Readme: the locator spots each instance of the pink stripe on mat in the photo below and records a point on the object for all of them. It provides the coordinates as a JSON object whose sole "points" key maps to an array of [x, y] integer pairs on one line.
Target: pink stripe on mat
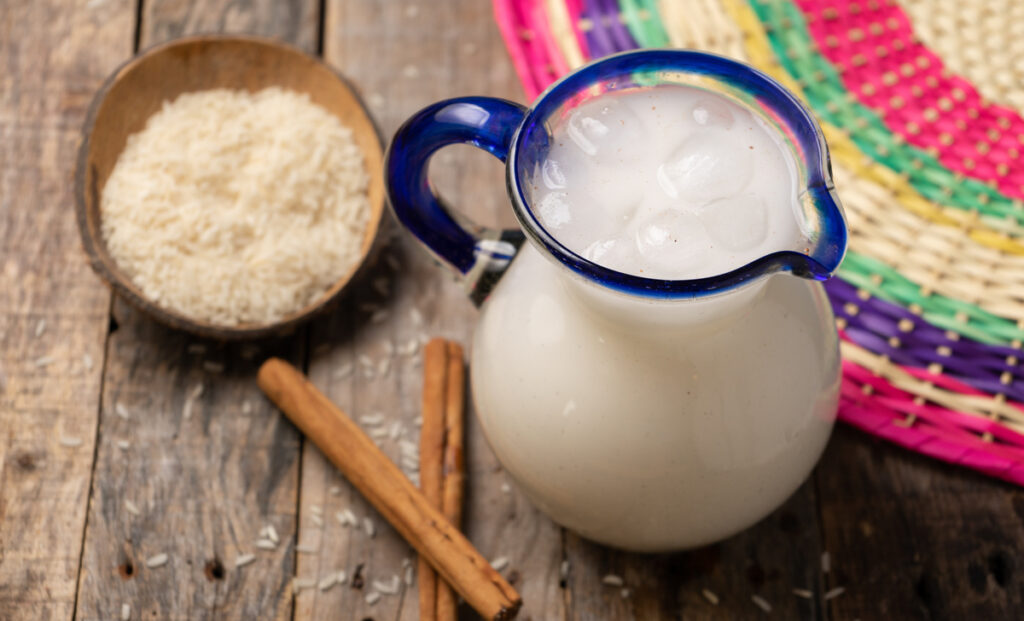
{"points": [[528, 55], [872, 44], [935, 432]]}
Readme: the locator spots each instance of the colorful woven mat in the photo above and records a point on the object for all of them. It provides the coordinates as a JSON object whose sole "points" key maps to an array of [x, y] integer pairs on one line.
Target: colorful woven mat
{"points": [[930, 299]]}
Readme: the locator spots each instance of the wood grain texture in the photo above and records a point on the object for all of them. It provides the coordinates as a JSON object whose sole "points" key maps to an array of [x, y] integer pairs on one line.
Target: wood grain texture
{"points": [[403, 56], [769, 560], [53, 310], [293, 21], [206, 468], [912, 538]]}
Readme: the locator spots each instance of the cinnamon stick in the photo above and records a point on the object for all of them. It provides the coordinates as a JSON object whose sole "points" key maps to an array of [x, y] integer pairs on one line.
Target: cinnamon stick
{"points": [[435, 382], [454, 475], [387, 489]]}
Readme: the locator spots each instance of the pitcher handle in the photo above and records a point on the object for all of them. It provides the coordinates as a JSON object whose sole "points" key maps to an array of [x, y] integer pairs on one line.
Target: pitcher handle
{"points": [[478, 255]]}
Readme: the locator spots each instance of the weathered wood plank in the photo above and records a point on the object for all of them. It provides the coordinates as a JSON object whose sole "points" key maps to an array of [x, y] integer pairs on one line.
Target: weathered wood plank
{"points": [[780, 553], [402, 56], [206, 469], [913, 538], [294, 21], [53, 310]]}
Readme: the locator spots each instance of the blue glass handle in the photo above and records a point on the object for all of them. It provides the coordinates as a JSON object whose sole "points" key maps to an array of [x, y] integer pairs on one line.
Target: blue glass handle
{"points": [[472, 252]]}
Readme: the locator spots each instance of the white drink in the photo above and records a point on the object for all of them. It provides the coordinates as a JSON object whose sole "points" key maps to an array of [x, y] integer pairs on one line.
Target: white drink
{"points": [[642, 422], [669, 182]]}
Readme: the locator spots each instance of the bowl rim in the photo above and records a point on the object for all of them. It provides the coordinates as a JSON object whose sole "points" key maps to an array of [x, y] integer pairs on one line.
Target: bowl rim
{"points": [[104, 265]]}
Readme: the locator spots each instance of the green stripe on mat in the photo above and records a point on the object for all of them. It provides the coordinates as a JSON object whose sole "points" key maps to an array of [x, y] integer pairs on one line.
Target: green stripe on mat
{"points": [[824, 89]]}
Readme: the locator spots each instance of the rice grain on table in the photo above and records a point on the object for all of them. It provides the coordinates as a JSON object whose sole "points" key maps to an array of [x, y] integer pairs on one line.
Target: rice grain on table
{"points": [[124, 445], [244, 560], [372, 598], [499, 563], [390, 587], [711, 596], [157, 560], [299, 584], [834, 593], [803, 593], [369, 527], [265, 544], [131, 507], [234, 207], [761, 603], [126, 612], [70, 441], [612, 580]]}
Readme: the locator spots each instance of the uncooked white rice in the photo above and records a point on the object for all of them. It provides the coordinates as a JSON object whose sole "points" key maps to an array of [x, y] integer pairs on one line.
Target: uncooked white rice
{"points": [[122, 411], [334, 490], [87, 362], [803, 593], [369, 527], [272, 534], [70, 442], [372, 598], [236, 207], [834, 593], [157, 560], [316, 519], [244, 560], [372, 419], [124, 445], [761, 603], [131, 507], [391, 587], [213, 367], [329, 581], [826, 562], [44, 361], [625, 593], [265, 544], [611, 580], [126, 612], [502, 562], [40, 328], [563, 570], [711, 596]]}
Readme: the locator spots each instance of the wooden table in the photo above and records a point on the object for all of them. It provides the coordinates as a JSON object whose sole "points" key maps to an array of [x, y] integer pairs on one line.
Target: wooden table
{"points": [[907, 537]]}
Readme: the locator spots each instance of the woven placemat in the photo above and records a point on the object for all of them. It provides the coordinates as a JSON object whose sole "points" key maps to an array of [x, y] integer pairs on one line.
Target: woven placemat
{"points": [[982, 41], [881, 62], [929, 299]]}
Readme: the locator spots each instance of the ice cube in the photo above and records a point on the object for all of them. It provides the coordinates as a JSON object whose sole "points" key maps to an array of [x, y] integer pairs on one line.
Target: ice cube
{"points": [[709, 165], [672, 245], [554, 210], [738, 223], [607, 131], [712, 112], [553, 175], [617, 192]]}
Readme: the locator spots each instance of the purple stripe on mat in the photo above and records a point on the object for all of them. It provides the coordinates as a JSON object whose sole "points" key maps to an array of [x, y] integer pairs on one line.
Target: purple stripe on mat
{"points": [[619, 33], [598, 38], [875, 322]]}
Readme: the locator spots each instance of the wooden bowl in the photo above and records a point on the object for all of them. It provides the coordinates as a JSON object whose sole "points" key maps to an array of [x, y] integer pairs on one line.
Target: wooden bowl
{"points": [[140, 87]]}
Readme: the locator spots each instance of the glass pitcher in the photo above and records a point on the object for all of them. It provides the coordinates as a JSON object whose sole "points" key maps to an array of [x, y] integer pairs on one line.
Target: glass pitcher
{"points": [[646, 414]]}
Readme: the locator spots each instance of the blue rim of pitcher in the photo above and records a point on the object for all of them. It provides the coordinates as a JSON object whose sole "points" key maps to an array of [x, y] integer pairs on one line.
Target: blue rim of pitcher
{"points": [[821, 258]]}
